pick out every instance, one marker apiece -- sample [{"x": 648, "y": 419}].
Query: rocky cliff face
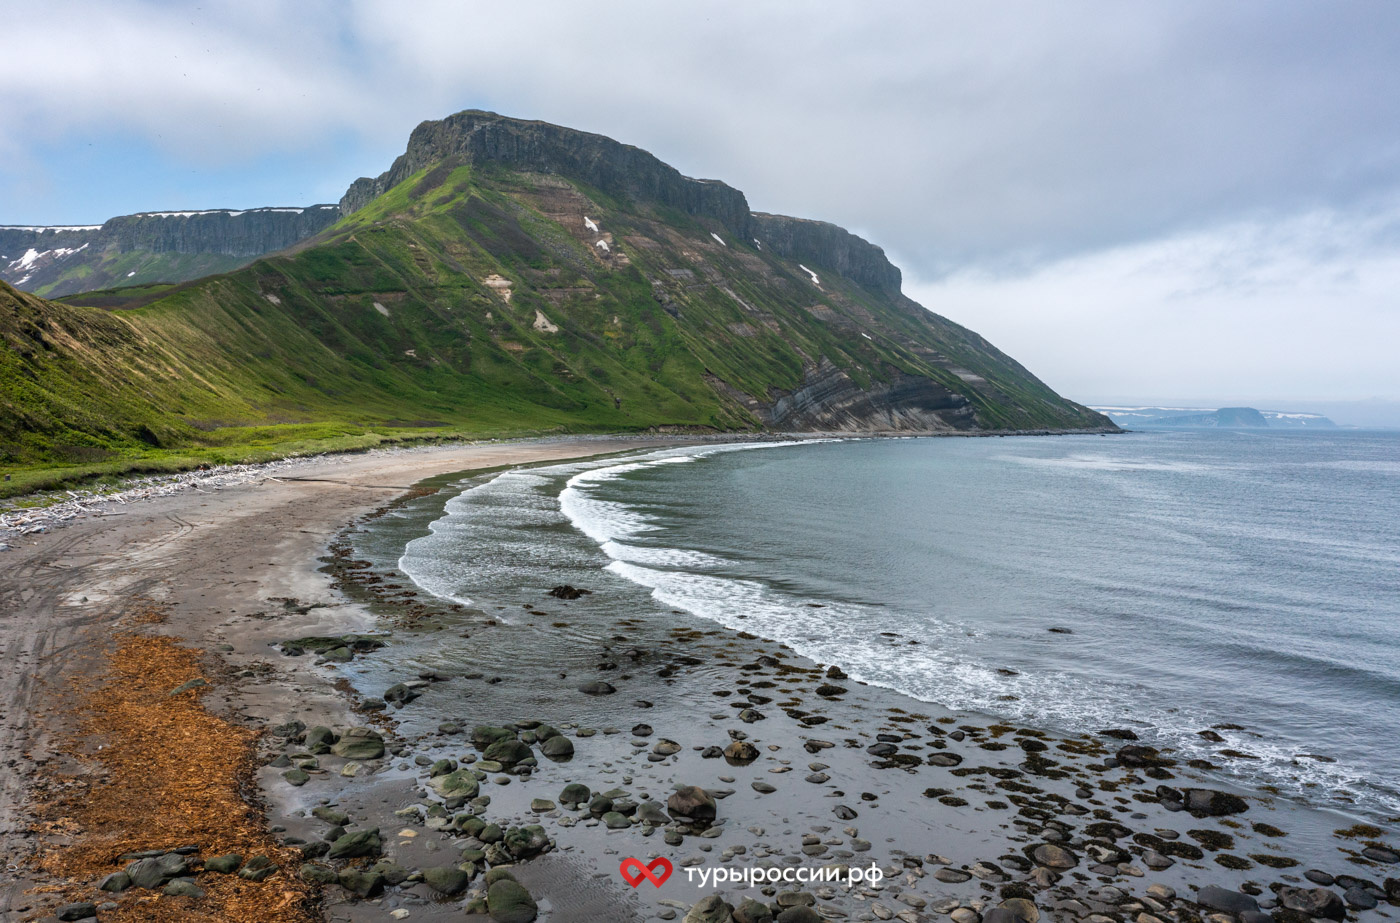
[
  {"x": 539, "y": 147},
  {"x": 828, "y": 246},
  {"x": 151, "y": 247},
  {"x": 248, "y": 233},
  {"x": 830, "y": 401},
  {"x": 15, "y": 243},
  {"x": 631, "y": 174}
]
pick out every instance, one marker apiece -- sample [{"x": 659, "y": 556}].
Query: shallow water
[{"x": 1206, "y": 578}]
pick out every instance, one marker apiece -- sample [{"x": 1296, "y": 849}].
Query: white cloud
[
  {"x": 1116, "y": 155},
  {"x": 1295, "y": 310},
  {"x": 216, "y": 86},
  {"x": 954, "y": 132}
]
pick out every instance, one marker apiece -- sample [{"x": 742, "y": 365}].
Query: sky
[{"x": 1195, "y": 202}]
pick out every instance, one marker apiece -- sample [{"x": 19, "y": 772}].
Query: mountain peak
[
  {"x": 615, "y": 168},
  {"x": 628, "y": 173}
]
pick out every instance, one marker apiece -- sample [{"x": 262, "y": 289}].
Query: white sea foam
[
  {"x": 937, "y": 670},
  {"x": 478, "y": 523},
  {"x": 953, "y": 662},
  {"x": 944, "y": 665}
]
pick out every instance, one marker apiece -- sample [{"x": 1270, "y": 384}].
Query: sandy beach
[
  {"x": 206, "y": 560},
  {"x": 157, "y": 714}
]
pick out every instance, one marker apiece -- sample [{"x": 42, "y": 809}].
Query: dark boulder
[
  {"x": 574, "y": 793},
  {"x": 557, "y": 747},
  {"x": 1118, "y": 733},
  {"x": 320, "y": 739},
  {"x": 258, "y": 869},
  {"x": 1204, "y": 802},
  {"x": 359, "y": 743},
  {"x": 357, "y": 844},
  {"x": 115, "y": 882},
  {"x": 752, "y": 911},
  {"x": 1315, "y": 902},
  {"x": 1053, "y": 857},
  {"x": 525, "y": 842},
  {"x": 509, "y": 902},
  {"x": 153, "y": 872},
  {"x": 446, "y": 880},
  {"x": 711, "y": 909},
  {"x": 400, "y": 695},
  {"x": 460, "y": 783},
  {"x": 361, "y": 883},
  {"x": 1137, "y": 756},
  {"x": 1214, "y": 897},
  {"x": 484, "y": 735},
  {"x": 508, "y": 752},
  {"x": 692, "y": 803},
  {"x": 740, "y": 752},
  {"x": 597, "y": 688}
]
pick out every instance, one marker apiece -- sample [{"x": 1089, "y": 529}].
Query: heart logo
[{"x": 633, "y": 872}]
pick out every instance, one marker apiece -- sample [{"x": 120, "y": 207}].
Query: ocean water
[{"x": 1166, "y": 582}]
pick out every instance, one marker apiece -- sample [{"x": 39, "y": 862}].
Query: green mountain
[{"x": 506, "y": 277}]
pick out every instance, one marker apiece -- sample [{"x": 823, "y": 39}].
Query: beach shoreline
[
  {"x": 241, "y": 570},
  {"x": 209, "y": 559}
]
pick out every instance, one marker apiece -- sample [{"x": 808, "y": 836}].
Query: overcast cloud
[{"x": 1186, "y": 199}]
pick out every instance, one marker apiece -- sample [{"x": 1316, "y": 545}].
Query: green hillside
[
  {"x": 112, "y": 268},
  {"x": 476, "y": 299}
]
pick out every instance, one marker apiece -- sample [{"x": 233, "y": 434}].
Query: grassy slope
[
  {"x": 110, "y": 269},
  {"x": 384, "y": 327}
]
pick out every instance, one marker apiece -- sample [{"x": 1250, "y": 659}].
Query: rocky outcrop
[
  {"x": 63, "y": 260},
  {"x": 818, "y": 243},
  {"x": 539, "y": 147},
  {"x": 14, "y": 241},
  {"x": 227, "y": 232},
  {"x": 250, "y": 233},
  {"x": 632, "y": 174},
  {"x": 830, "y": 401}
]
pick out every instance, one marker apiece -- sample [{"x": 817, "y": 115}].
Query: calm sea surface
[{"x": 1166, "y": 582}]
